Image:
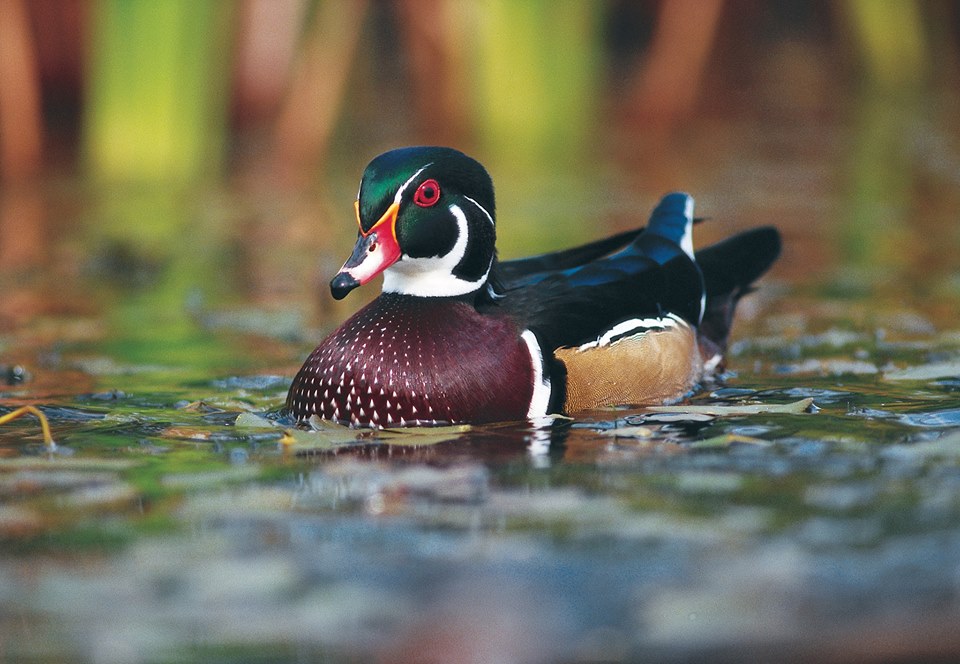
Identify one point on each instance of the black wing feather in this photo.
(572, 297)
(517, 269)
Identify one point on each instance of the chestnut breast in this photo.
(405, 360)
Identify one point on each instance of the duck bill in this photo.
(375, 251)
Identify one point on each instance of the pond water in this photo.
(161, 529)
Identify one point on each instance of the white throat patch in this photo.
(433, 276)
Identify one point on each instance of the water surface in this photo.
(144, 323)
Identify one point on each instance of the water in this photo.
(144, 323)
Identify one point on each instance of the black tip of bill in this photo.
(342, 284)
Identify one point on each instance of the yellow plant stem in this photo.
(32, 410)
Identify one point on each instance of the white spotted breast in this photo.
(406, 360)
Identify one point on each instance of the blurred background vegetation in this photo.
(578, 108)
(176, 90)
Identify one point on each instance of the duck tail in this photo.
(729, 269)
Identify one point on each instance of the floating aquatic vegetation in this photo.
(925, 372)
(720, 410)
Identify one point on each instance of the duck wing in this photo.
(518, 270)
(654, 274)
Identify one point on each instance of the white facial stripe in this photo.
(463, 232)
(540, 400)
(482, 209)
(433, 276)
(403, 187)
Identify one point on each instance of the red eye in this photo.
(428, 193)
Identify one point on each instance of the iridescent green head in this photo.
(426, 218)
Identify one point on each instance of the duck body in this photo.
(458, 336)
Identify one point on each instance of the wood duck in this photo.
(458, 336)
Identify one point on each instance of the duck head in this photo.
(426, 217)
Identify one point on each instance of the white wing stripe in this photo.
(632, 327)
(686, 242)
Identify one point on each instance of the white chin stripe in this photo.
(633, 327)
(433, 276)
(540, 401)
